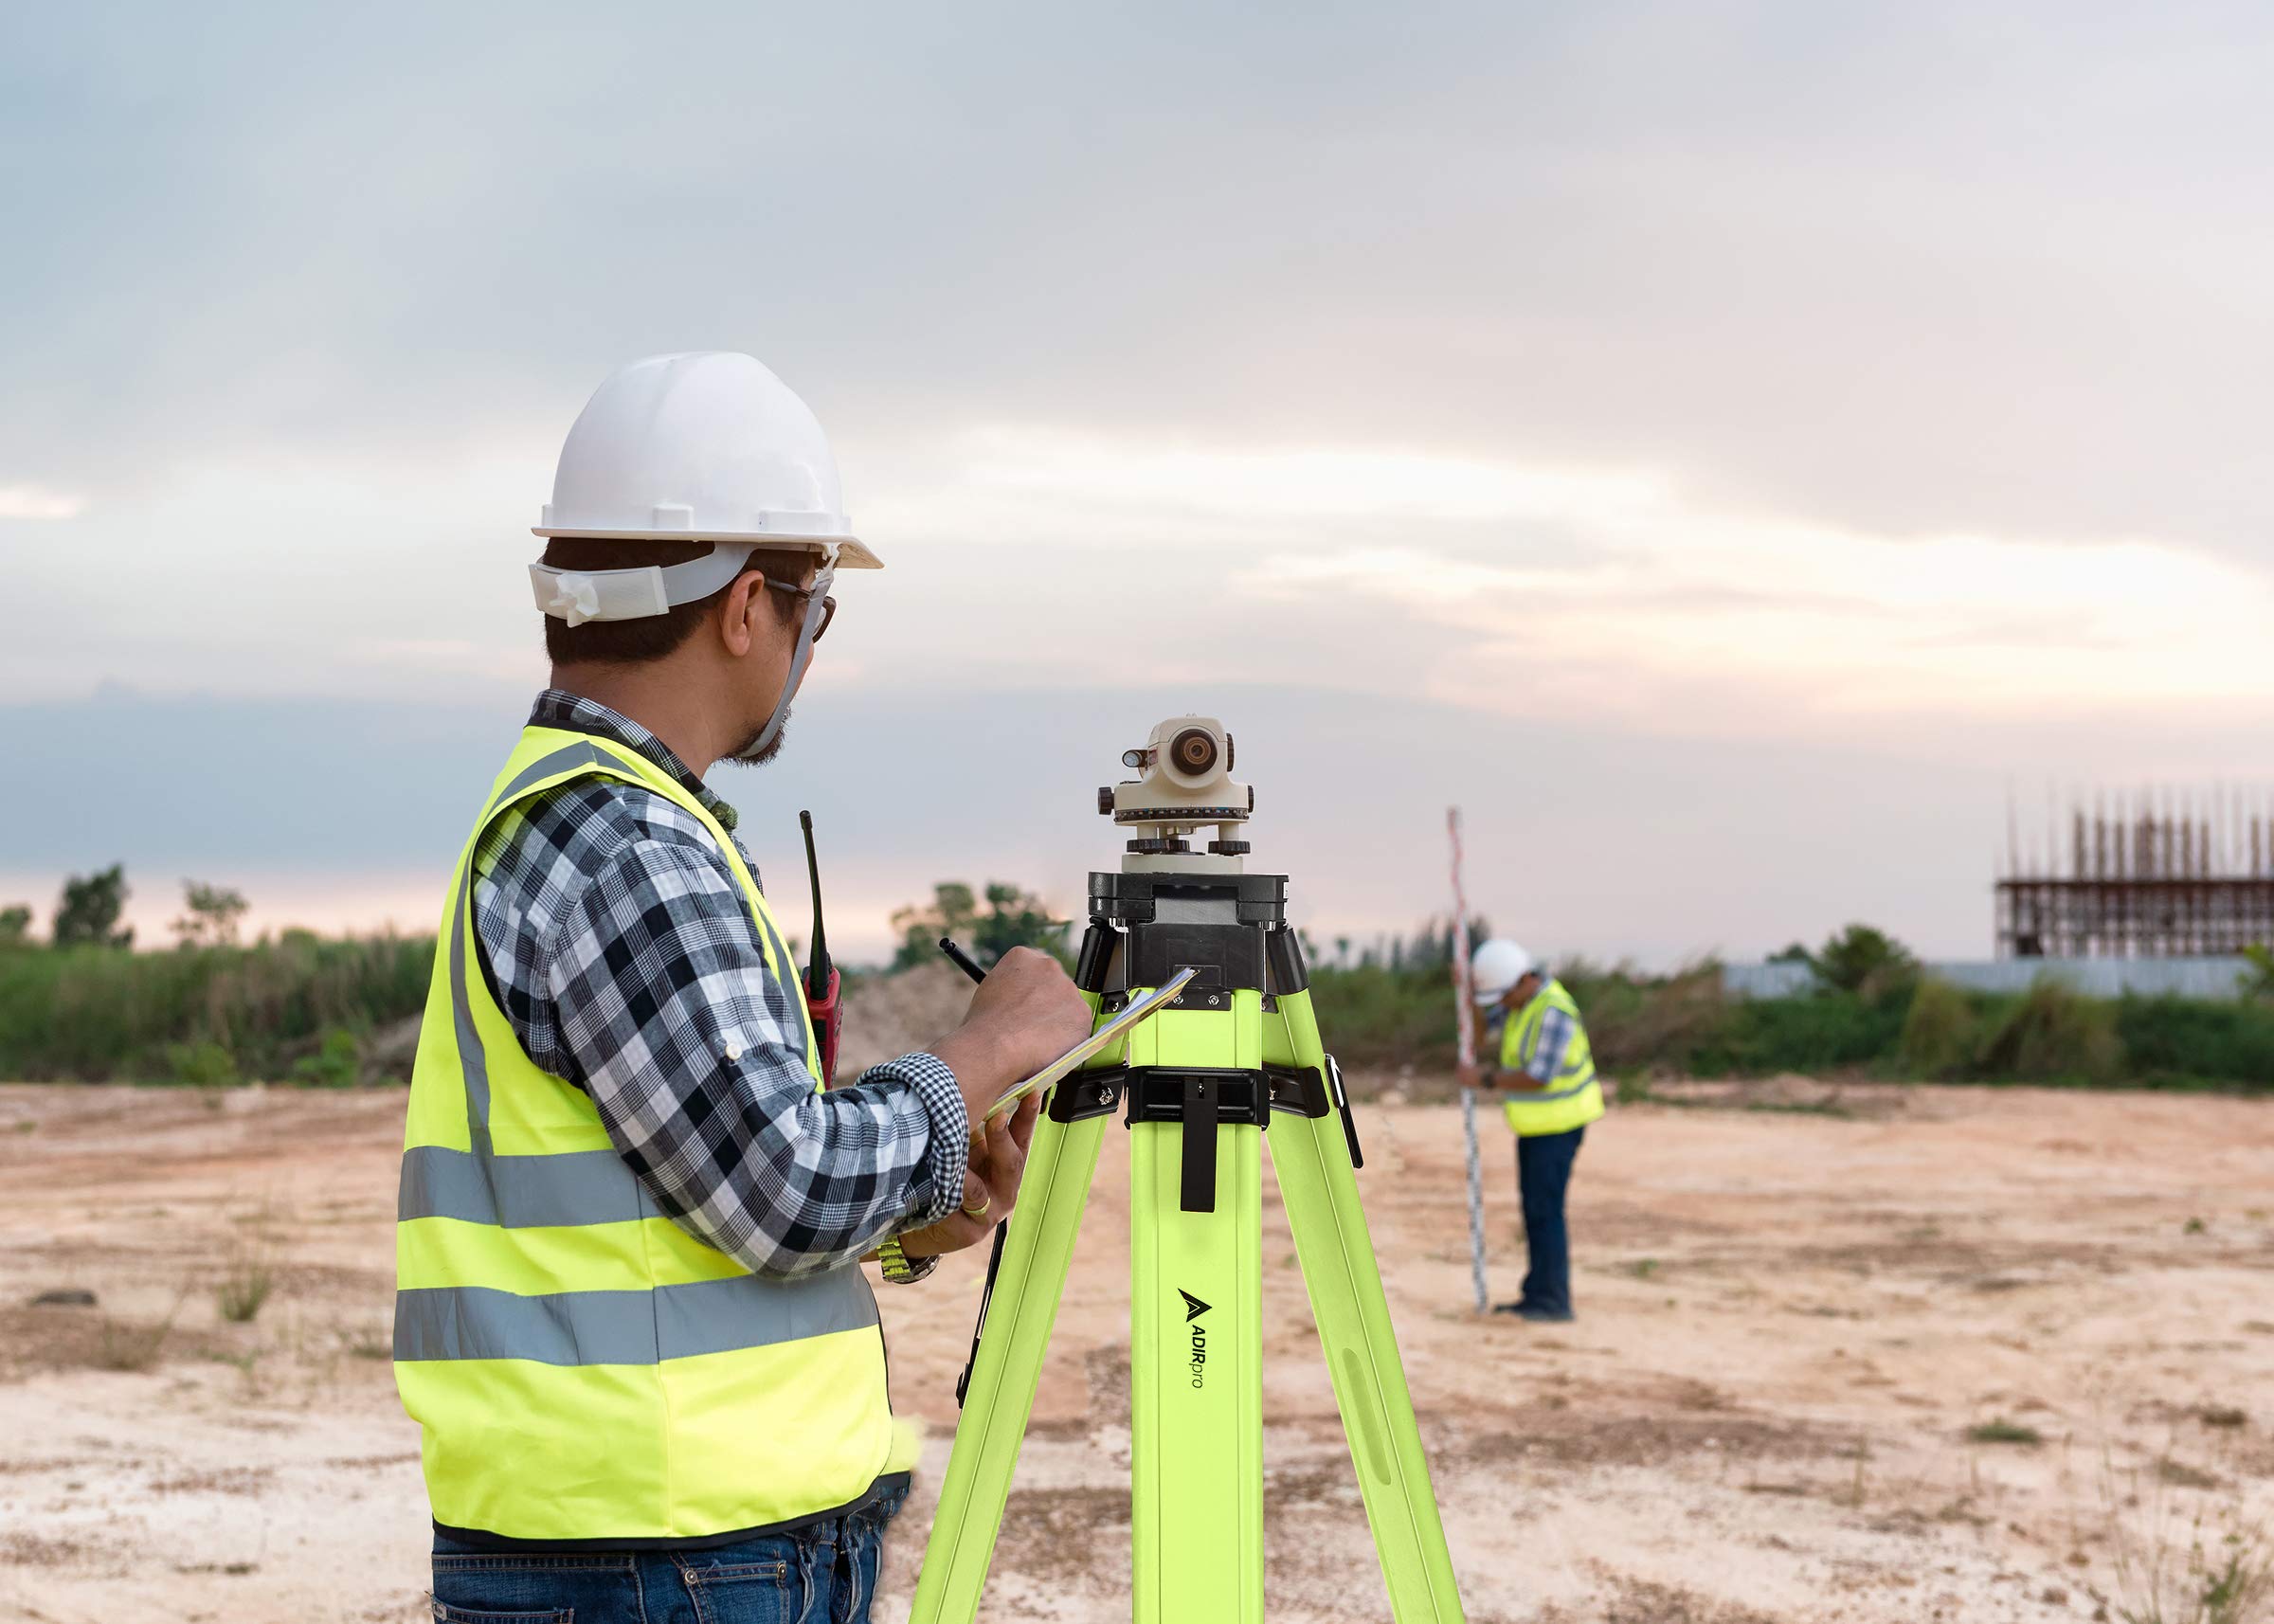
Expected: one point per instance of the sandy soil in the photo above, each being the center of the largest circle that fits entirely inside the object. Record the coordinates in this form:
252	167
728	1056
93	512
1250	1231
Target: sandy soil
1795	1301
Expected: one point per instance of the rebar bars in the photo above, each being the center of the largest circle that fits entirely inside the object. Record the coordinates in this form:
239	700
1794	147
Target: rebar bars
2151	874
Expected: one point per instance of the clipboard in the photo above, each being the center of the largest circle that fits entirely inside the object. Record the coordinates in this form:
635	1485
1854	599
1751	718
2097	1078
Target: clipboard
1096	1043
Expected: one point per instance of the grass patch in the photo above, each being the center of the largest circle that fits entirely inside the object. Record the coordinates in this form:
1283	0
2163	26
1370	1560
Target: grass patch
250	1278
2209	1566
1802	1108
2176	1041
1942	1031
247	1285
204	1016
305	1009
2004	1431
2053	1034
1823	1032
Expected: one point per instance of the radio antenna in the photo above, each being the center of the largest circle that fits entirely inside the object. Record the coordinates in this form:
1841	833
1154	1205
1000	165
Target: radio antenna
817	968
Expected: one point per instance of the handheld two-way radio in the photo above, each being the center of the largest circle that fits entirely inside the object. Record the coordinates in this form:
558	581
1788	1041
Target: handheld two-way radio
820	985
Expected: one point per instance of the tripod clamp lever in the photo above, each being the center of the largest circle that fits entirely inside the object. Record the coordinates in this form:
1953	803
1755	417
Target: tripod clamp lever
1203	1098
1308	1092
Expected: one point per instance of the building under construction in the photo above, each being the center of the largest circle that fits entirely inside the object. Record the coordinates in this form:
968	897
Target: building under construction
2153	879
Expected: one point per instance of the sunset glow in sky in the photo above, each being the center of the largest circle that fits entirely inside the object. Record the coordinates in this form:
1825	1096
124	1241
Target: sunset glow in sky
1729	450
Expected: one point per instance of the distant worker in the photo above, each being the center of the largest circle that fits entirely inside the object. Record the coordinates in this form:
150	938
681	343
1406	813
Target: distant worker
630	1315
1547	1072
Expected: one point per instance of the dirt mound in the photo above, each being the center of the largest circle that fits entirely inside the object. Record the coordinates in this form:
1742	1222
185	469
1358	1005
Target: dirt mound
888	1015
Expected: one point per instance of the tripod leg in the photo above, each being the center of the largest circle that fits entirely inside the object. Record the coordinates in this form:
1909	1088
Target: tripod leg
1311	1158
1196	1346
1060	1164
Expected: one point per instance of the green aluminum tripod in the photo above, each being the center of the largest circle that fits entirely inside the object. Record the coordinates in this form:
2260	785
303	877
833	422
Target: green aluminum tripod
1236	1056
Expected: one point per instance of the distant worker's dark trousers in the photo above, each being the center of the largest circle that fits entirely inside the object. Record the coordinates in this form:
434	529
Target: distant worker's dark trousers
1542	1175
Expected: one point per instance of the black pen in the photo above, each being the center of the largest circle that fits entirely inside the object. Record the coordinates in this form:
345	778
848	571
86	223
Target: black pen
961	960
970	966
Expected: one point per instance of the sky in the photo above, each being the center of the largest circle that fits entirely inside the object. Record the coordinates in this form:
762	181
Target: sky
1733	451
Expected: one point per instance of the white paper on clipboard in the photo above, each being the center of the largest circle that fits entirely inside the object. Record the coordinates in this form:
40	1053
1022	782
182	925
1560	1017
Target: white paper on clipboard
1096	1043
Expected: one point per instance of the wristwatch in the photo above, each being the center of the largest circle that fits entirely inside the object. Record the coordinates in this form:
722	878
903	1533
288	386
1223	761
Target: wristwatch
899	1267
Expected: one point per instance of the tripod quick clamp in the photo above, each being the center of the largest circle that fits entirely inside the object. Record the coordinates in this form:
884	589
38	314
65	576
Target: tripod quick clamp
1095	1093
1205	1098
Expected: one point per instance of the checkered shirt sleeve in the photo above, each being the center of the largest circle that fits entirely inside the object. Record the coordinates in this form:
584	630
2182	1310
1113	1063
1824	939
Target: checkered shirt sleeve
1548	1045
622	948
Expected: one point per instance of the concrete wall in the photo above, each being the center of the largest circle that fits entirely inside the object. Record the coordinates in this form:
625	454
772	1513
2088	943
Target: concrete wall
2215	979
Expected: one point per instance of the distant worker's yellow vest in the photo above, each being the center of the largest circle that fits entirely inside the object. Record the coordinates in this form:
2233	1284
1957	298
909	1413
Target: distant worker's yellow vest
583	1367
1572	1099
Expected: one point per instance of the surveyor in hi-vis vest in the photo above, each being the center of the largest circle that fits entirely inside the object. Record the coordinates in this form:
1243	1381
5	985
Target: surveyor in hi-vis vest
631	1317
1547	1072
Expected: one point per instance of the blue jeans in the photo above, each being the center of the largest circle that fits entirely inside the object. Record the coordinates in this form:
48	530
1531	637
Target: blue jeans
824	1573
1542	1175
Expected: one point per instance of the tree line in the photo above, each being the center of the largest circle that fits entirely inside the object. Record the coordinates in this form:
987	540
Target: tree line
88	912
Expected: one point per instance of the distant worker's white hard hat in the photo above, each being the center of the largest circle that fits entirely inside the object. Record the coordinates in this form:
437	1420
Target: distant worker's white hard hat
703	447
1497	965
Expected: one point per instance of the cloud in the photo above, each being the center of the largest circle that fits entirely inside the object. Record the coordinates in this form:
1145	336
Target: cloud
1303	484
35	502
1679	614
1913	270
1612	592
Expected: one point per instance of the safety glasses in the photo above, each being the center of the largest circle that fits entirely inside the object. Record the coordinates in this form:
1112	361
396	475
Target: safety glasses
805	595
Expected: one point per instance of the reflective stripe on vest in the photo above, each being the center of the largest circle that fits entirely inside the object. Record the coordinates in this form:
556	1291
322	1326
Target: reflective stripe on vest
582	1367
626	1327
1572	1099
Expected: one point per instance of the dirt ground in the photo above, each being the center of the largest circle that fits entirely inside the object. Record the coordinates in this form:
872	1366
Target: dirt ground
1844	1354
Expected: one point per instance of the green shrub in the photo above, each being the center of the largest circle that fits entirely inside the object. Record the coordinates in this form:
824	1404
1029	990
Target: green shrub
1634	1021
1811	1034
2173	1040
1940	1032
96	1013
2257	982
337	1062
2054	1034
1372	1015
206	1065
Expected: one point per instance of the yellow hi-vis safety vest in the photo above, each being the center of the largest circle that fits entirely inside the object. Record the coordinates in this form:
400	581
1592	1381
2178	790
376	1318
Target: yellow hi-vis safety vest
583	1368
1572	1099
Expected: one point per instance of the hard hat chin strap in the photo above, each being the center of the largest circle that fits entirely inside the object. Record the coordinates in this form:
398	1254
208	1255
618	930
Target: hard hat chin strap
580	595
801	656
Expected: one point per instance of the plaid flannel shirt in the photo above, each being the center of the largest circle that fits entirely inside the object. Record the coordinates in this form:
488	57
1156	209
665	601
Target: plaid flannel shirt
1549	1044
619	944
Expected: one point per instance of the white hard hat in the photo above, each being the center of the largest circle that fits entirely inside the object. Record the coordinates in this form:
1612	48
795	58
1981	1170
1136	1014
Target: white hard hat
703	447
1497	965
